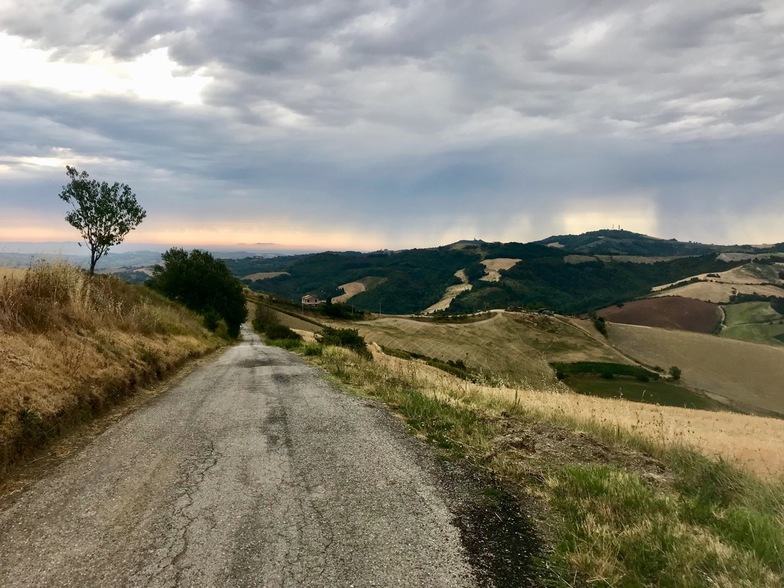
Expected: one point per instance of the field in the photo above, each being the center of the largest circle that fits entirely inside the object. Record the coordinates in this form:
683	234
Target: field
514	346
264	275
350	290
451	293
755	322
720	293
653	392
749	376
671	312
493	267
750	278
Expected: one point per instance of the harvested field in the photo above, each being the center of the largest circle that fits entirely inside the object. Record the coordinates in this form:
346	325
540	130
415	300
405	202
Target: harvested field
671	312
514	346
451	293
753	443
264	275
720	293
747	375
350	290
493	267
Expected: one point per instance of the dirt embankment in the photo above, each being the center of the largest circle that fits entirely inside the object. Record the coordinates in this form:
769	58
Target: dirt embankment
71	345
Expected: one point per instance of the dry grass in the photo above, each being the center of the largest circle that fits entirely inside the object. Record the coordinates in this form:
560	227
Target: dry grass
720	293
71	344
515	346
451	293
747	374
350	290
750	442
493	267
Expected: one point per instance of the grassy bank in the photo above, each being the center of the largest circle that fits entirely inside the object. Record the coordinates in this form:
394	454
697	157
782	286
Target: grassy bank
71	345
627	500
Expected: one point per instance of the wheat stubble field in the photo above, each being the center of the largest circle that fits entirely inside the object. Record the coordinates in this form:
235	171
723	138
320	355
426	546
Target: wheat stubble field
747	374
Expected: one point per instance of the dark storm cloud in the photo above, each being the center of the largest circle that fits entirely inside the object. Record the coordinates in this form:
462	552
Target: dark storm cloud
383	112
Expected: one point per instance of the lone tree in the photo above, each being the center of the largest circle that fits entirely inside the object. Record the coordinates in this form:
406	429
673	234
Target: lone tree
103	213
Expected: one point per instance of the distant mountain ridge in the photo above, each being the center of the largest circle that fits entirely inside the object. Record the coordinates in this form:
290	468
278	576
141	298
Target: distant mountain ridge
621	242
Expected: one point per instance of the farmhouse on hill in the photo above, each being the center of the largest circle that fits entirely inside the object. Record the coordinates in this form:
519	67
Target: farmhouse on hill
311	300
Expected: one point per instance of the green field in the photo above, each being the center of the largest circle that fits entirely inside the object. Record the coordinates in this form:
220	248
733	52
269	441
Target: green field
652	392
755	322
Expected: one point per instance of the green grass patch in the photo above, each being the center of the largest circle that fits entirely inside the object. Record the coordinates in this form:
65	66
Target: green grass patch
604	370
651	392
754	322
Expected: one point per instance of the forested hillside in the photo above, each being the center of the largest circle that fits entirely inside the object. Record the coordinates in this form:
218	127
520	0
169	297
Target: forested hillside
414	279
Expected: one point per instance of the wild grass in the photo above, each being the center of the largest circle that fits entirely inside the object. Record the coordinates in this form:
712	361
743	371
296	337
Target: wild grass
630	501
71	345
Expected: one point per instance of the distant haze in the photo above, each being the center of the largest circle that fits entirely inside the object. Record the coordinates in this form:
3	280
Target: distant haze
384	124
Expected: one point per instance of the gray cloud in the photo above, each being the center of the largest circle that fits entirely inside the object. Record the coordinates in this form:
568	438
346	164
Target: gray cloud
396	115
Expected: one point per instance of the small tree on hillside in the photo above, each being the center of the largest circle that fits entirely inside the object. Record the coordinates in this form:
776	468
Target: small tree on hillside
104	214
675	372
203	284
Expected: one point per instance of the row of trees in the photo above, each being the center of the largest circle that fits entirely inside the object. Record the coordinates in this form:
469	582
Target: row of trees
104	214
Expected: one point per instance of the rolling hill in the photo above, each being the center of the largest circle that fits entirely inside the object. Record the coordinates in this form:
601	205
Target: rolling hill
500	275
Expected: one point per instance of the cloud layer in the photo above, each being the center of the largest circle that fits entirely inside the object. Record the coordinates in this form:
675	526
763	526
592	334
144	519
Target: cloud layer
398	123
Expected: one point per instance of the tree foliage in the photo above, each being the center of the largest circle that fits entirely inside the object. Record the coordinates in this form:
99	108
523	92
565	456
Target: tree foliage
103	213
203	284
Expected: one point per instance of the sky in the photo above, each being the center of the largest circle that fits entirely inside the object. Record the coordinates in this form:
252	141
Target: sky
373	124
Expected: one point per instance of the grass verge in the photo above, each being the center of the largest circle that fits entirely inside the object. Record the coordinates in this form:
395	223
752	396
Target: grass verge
72	345
620	508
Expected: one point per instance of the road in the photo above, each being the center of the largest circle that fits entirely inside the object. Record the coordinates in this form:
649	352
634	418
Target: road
252	471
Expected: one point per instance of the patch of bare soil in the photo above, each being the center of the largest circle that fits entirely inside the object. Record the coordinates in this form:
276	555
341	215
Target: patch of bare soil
542	445
671	312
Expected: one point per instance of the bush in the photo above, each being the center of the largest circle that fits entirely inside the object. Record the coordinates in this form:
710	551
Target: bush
675	372
348	338
600	325
279	332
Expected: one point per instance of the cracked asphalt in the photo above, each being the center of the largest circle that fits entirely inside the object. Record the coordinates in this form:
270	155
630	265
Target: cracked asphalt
252	471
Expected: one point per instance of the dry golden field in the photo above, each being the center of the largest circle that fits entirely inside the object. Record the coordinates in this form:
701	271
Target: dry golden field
753	443
350	290
493	268
747	374
720	292
451	293
516	346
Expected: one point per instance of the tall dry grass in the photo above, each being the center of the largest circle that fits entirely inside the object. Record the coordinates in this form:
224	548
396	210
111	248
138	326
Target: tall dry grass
71	344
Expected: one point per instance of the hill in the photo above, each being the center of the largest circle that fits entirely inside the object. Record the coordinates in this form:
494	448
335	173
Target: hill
500	275
620	242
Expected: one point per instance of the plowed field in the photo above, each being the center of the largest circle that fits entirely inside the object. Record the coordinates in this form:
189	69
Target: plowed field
668	312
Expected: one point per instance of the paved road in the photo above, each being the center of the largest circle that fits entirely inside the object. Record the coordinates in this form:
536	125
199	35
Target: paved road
253	471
